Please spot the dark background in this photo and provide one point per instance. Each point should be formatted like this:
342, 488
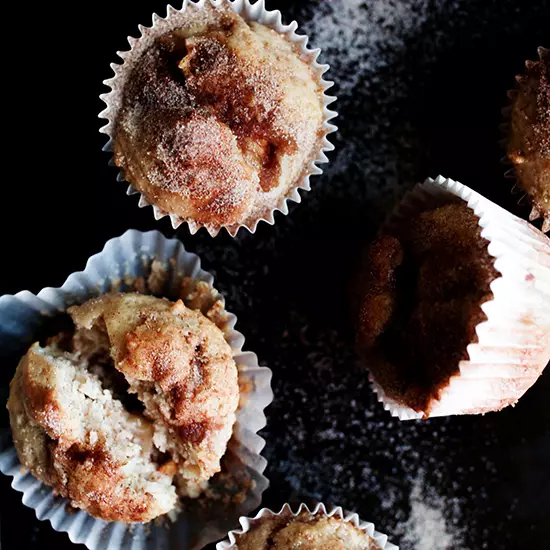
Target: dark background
433, 108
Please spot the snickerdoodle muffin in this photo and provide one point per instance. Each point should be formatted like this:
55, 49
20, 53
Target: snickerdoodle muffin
422, 287
130, 410
529, 135
305, 532
217, 118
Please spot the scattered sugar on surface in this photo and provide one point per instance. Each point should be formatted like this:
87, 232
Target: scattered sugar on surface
365, 44
427, 528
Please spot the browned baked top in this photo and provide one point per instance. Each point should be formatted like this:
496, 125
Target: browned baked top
180, 367
211, 121
138, 401
422, 287
305, 532
529, 139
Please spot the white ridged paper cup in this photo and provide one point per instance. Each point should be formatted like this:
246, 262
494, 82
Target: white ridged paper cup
122, 261
250, 12
513, 345
510, 173
231, 542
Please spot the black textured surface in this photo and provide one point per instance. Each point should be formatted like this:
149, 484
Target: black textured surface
432, 106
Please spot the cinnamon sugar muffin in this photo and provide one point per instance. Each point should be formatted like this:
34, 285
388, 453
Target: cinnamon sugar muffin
422, 291
529, 138
130, 410
218, 118
305, 532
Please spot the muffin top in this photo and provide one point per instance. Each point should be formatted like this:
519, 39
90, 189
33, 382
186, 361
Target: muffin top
529, 140
422, 287
218, 119
140, 397
305, 532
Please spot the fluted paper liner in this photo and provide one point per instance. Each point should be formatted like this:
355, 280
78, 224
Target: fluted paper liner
124, 259
250, 12
514, 342
319, 510
510, 170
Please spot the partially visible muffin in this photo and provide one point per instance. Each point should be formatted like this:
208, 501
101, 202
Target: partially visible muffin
140, 397
529, 138
218, 118
305, 532
422, 289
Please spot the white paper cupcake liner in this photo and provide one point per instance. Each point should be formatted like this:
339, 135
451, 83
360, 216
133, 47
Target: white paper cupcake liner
250, 12
513, 345
122, 260
510, 172
320, 509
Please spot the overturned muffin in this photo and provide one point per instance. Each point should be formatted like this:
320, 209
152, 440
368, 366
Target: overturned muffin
218, 118
305, 532
422, 290
529, 137
132, 409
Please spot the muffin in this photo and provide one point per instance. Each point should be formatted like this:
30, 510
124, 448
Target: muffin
424, 287
529, 135
434, 333
305, 530
130, 409
217, 119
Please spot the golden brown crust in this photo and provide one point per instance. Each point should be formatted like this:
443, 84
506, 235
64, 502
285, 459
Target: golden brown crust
423, 286
30, 439
180, 366
41, 399
305, 532
88, 477
218, 121
529, 139
176, 348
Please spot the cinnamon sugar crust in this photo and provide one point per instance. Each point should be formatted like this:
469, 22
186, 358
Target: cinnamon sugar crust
133, 409
180, 366
422, 289
75, 437
218, 120
529, 139
305, 532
